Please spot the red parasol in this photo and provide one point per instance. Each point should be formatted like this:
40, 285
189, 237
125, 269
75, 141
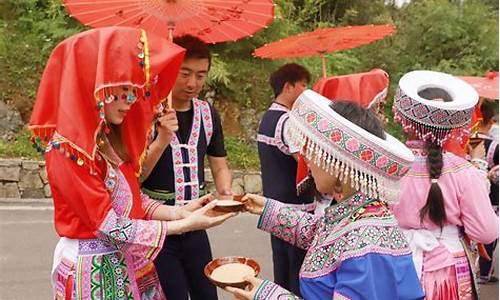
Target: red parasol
213, 21
486, 87
322, 41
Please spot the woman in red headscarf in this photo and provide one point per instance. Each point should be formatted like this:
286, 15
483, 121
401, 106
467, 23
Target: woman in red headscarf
93, 111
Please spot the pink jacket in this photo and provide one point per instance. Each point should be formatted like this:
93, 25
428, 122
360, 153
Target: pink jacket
465, 193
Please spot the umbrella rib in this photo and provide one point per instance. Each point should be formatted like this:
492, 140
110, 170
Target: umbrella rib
228, 37
228, 24
105, 18
248, 12
131, 18
240, 2
100, 10
100, 2
153, 29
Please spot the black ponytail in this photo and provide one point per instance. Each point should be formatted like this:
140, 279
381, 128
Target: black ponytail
434, 207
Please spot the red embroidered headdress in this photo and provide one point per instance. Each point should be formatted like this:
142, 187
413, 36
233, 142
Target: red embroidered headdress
69, 108
365, 89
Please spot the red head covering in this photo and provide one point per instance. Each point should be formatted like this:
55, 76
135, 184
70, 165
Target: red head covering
68, 109
362, 88
365, 89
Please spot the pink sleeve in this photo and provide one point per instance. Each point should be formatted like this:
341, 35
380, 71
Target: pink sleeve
477, 215
149, 205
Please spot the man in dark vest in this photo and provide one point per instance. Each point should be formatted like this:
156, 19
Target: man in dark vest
279, 166
174, 172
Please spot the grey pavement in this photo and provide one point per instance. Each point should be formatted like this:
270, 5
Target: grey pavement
27, 240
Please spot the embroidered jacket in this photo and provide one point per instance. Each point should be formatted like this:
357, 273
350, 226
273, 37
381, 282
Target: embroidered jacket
355, 251
109, 241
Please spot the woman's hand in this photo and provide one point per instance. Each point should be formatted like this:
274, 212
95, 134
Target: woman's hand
254, 203
205, 217
193, 205
246, 294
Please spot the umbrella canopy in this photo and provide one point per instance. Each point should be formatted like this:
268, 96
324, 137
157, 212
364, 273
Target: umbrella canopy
322, 41
486, 87
213, 21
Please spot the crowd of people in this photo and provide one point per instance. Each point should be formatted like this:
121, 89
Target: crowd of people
353, 213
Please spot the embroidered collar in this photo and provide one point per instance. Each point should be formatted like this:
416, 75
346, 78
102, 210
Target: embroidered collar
339, 211
278, 106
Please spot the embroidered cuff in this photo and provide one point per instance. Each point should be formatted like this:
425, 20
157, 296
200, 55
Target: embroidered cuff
268, 217
140, 238
269, 290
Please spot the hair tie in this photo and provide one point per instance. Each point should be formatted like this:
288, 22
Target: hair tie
434, 180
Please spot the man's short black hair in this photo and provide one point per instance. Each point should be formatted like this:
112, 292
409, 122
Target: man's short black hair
290, 73
195, 47
488, 111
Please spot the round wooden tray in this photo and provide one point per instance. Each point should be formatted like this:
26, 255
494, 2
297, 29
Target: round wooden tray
214, 264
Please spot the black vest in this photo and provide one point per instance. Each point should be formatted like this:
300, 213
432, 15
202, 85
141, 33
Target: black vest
278, 169
162, 177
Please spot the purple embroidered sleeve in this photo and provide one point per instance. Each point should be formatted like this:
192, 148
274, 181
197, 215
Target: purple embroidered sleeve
139, 238
269, 290
280, 135
289, 224
149, 205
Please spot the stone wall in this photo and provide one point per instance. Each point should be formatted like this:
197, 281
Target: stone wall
23, 179
28, 179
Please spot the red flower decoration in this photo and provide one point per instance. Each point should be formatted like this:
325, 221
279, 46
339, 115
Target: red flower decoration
392, 169
311, 118
367, 155
336, 135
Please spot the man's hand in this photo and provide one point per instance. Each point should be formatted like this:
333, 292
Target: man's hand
167, 125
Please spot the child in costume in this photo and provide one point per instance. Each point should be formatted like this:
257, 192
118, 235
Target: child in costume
94, 107
356, 250
443, 195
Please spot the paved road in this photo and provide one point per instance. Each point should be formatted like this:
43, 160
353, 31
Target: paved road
27, 239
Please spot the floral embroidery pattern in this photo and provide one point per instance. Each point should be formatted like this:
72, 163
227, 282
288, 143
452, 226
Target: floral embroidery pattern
202, 117
271, 291
109, 276
116, 230
353, 228
428, 115
289, 224
381, 162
